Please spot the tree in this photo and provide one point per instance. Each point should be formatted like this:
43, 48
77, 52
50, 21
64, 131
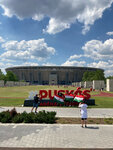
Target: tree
94, 75
99, 75
2, 76
109, 77
10, 76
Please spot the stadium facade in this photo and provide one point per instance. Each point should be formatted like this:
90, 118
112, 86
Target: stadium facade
50, 75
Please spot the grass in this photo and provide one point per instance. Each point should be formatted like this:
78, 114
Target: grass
23, 91
11, 101
103, 102
15, 96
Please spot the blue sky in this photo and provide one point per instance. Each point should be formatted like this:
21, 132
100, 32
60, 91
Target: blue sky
56, 32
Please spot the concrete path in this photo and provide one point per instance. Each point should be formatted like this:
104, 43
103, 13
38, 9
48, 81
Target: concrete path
69, 112
56, 136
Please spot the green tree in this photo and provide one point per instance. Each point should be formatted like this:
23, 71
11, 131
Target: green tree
10, 76
109, 77
94, 75
2, 76
99, 75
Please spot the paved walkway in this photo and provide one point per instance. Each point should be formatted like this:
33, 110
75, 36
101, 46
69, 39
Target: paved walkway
58, 135
68, 112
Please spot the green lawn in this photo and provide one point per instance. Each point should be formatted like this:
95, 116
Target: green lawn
23, 91
103, 102
11, 101
15, 96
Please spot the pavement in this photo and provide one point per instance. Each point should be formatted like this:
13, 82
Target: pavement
58, 136
68, 111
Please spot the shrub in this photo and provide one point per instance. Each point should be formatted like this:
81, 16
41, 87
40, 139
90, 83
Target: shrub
18, 119
29, 118
5, 117
1, 115
40, 117
51, 117
45, 117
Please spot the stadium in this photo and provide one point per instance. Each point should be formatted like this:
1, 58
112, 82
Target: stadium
50, 75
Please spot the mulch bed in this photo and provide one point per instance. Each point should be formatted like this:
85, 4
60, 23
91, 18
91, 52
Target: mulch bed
89, 121
15, 148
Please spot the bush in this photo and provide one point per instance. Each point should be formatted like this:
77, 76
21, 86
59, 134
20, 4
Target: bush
40, 117
29, 118
1, 115
23, 115
18, 119
45, 117
5, 117
51, 117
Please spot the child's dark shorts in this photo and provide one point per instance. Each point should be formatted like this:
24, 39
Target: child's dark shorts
83, 118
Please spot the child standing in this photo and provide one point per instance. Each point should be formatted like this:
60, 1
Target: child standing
83, 111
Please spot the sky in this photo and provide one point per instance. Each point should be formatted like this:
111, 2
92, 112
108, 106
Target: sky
57, 33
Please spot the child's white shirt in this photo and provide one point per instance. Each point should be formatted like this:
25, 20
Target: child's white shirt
83, 110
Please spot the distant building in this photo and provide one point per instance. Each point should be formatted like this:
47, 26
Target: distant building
50, 75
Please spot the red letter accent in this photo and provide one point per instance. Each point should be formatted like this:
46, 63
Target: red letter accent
60, 91
69, 92
50, 94
77, 92
66, 91
78, 88
55, 92
43, 94
86, 95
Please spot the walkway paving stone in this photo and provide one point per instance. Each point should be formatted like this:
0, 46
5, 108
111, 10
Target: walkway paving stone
56, 136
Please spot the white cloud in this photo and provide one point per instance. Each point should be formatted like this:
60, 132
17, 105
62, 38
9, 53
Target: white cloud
62, 13
25, 50
4, 65
107, 66
74, 63
29, 64
100, 52
75, 57
48, 64
56, 26
97, 50
109, 73
1, 39
109, 33
100, 64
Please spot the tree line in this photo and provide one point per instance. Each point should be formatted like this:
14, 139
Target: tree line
9, 76
95, 75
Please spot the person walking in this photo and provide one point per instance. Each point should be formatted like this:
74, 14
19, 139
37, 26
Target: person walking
35, 103
83, 111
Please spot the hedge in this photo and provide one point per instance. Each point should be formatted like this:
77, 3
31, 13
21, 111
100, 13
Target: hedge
41, 117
